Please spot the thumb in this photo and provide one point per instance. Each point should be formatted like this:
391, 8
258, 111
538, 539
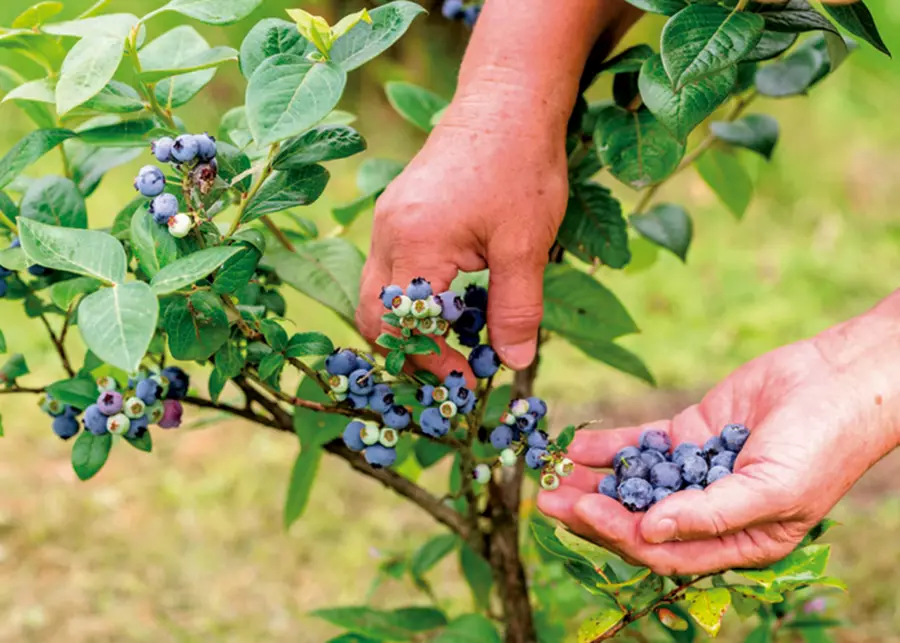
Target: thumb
516, 303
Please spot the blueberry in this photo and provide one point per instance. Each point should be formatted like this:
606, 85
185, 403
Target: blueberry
155, 412
652, 457
4, 288
433, 423
163, 208
660, 494
451, 304
666, 474
471, 15
4, 272
361, 382
716, 473
379, 456
633, 468
387, 295
440, 394
534, 458
65, 426
735, 436
537, 407
550, 481
713, 447
501, 437
172, 411
353, 436
484, 361
397, 417
185, 148
693, 487
365, 361
725, 459
150, 181
162, 149
538, 440
453, 9
357, 402
454, 379
608, 487
469, 406
684, 450
94, 420
636, 494
179, 382
469, 340
38, 271
476, 297
110, 402
656, 440
381, 398
206, 147
138, 428
564, 467
694, 469
626, 455
460, 395
424, 395
470, 322
419, 288
341, 362
526, 424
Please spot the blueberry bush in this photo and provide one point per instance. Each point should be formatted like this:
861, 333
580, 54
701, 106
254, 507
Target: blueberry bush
193, 268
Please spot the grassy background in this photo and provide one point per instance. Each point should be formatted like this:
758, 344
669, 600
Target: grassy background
187, 545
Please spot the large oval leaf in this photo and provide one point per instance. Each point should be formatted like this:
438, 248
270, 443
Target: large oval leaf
174, 49
289, 189
756, 132
322, 143
197, 326
366, 40
89, 454
84, 252
858, 20
186, 271
594, 228
153, 246
28, 150
54, 200
268, 38
118, 323
667, 225
88, 67
214, 12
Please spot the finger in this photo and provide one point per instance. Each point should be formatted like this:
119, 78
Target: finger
598, 447
376, 274
560, 504
516, 302
584, 479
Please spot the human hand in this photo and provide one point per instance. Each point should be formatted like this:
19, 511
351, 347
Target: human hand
821, 412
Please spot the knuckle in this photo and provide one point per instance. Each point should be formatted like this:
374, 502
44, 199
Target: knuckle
757, 552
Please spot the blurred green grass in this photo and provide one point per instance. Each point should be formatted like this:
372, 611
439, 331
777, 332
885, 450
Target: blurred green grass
187, 545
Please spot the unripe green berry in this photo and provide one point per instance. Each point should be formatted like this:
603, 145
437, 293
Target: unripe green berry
118, 424
409, 322
441, 327
519, 407
389, 437
420, 309
369, 434
434, 308
105, 384
339, 397
448, 409
550, 481
427, 326
339, 383
508, 418
134, 407
482, 474
155, 412
440, 394
53, 407
508, 458
401, 305
564, 467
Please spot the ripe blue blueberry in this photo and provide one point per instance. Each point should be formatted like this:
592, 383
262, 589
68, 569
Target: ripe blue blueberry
341, 362
387, 295
424, 395
148, 391
454, 379
537, 407
380, 456
538, 440
185, 148
534, 458
110, 402
361, 382
469, 340
725, 459
453, 9
38, 271
666, 474
656, 440
660, 494
451, 304
469, 406
501, 437
716, 473
735, 436
94, 420
633, 468
138, 428
433, 423
471, 15
484, 361
652, 457
684, 450
476, 297
353, 436
694, 469
65, 426
397, 417
693, 487
609, 487
150, 181
357, 402
470, 322
419, 288
381, 398
713, 447
161, 148
636, 494
460, 395
365, 361
163, 208
526, 424
179, 382
625, 455
206, 147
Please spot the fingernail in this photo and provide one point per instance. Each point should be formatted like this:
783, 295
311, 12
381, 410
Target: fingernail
518, 356
664, 532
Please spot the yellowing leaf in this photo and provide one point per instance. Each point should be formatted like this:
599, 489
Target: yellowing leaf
708, 606
347, 23
314, 28
671, 620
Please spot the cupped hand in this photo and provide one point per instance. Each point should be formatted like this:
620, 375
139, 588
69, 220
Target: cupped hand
488, 189
821, 412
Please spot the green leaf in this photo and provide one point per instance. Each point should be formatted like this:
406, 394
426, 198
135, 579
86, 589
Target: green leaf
421, 345
174, 49
288, 94
213, 12
702, 40
115, 25
271, 37
578, 307
89, 453
308, 344
708, 606
208, 59
858, 20
756, 132
41, 90
793, 16
545, 536
79, 392
13, 368
629, 60
394, 362
724, 173
637, 149
328, 271
469, 628
153, 246
366, 41
56, 201
665, 7
607, 615
390, 342
143, 443
28, 150
757, 593
614, 355
682, 110
382, 625
594, 227
322, 143
229, 360
374, 175
349, 212
238, 270
428, 453
792, 75
416, 104
132, 133
2, 342
564, 439
802, 566
37, 15
84, 252
419, 619
40, 114
315, 429
197, 326
476, 570
187, 270
431, 553
771, 45
819, 530
232, 163
288, 189
90, 164
118, 323
88, 67
116, 98
275, 335
270, 366
667, 225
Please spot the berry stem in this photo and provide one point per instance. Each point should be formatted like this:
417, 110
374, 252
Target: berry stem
57, 341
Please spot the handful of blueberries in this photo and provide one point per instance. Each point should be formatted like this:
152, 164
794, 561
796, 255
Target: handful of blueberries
648, 473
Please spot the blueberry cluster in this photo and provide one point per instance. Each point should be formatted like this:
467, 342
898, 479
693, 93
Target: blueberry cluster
189, 152
518, 433
378, 445
65, 417
443, 403
353, 380
459, 10
151, 398
648, 473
